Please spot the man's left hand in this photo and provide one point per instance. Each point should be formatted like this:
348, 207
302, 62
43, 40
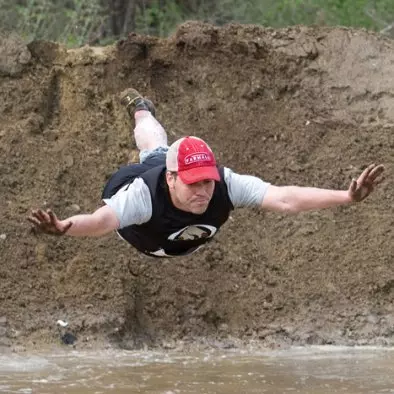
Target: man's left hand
362, 187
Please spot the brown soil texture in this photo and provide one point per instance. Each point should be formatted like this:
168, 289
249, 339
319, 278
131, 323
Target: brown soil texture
305, 106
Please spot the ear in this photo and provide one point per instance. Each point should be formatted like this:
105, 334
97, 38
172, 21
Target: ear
170, 178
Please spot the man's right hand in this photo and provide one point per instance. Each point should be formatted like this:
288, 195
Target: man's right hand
48, 223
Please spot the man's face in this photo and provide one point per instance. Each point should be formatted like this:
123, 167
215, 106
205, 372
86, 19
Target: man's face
194, 197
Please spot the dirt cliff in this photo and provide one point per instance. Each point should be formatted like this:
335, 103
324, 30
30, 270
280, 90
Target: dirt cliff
304, 106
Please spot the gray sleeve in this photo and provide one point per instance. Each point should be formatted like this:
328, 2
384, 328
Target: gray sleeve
244, 190
132, 203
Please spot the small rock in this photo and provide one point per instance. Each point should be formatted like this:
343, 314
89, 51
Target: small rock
68, 161
62, 323
75, 208
34, 124
3, 237
168, 345
373, 319
3, 320
68, 338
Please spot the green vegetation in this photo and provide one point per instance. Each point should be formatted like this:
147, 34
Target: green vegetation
79, 22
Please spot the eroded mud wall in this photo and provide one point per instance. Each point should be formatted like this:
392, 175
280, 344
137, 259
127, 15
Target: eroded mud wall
296, 106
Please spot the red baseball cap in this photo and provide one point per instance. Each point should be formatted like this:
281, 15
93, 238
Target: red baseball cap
193, 160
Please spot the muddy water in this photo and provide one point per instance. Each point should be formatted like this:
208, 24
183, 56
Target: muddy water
314, 370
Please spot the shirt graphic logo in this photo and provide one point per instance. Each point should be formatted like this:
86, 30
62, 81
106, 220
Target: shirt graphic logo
191, 233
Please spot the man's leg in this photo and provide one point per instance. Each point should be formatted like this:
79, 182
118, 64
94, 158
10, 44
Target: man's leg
150, 136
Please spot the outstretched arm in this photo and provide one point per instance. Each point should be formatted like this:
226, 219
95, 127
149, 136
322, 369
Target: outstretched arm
295, 199
102, 221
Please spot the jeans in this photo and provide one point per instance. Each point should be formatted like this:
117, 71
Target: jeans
157, 153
